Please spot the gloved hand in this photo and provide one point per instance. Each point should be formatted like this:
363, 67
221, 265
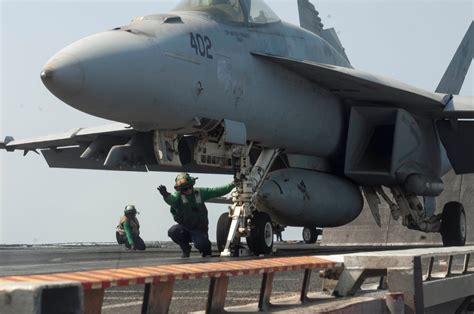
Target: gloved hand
178, 219
163, 191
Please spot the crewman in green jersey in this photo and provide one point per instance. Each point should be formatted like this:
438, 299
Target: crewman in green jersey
189, 211
128, 230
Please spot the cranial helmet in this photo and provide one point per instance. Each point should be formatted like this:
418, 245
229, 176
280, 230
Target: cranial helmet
184, 181
130, 209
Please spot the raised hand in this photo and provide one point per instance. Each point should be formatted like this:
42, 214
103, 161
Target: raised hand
163, 191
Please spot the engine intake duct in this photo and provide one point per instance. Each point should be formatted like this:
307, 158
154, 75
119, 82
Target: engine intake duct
385, 146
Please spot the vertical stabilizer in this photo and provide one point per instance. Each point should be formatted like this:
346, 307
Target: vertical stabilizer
456, 72
309, 17
310, 20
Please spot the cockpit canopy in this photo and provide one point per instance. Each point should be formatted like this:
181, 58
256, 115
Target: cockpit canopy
240, 11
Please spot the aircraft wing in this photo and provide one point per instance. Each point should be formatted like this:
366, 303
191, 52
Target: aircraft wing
359, 87
109, 147
74, 137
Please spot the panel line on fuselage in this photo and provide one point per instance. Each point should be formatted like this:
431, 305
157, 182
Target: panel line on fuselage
181, 57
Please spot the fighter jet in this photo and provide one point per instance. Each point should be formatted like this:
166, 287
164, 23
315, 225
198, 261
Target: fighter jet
226, 87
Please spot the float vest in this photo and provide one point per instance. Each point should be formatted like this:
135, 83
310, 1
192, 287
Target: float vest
133, 223
192, 213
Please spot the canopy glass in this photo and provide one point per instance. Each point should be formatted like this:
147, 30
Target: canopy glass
251, 11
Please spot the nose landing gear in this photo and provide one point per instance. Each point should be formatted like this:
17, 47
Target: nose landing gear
260, 240
246, 220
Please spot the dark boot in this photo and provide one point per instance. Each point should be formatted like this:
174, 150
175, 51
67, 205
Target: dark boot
186, 251
206, 254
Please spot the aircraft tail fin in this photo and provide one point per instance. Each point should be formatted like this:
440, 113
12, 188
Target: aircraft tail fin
309, 17
456, 72
310, 20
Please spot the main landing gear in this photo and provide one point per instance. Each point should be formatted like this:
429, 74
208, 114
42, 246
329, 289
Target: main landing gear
244, 219
310, 234
451, 223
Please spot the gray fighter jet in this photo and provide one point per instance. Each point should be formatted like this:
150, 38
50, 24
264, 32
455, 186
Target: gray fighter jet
225, 86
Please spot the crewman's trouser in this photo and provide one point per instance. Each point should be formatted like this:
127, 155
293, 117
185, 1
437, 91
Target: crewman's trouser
138, 242
183, 236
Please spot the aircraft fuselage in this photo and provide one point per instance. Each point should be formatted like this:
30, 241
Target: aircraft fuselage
164, 71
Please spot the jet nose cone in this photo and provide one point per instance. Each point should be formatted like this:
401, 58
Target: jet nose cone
46, 75
63, 75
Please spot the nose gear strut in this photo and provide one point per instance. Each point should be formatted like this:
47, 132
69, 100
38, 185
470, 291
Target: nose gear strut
248, 181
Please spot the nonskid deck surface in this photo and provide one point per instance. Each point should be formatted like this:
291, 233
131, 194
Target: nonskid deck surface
190, 295
25, 260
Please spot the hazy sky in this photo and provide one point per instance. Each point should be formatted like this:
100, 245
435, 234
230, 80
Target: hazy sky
412, 41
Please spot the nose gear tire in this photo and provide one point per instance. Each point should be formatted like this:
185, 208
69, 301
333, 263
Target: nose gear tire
260, 240
453, 224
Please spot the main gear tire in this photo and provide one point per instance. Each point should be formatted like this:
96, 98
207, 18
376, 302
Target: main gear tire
453, 224
310, 235
260, 240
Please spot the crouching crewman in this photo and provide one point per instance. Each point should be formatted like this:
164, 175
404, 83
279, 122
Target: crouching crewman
128, 230
190, 212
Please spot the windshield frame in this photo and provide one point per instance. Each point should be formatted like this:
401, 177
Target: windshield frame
248, 10
245, 8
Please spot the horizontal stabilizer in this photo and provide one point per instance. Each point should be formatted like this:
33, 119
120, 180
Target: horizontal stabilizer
459, 107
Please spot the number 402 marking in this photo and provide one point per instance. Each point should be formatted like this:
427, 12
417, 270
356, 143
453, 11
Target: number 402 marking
201, 45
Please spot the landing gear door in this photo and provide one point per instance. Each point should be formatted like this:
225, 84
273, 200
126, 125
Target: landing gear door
166, 149
235, 132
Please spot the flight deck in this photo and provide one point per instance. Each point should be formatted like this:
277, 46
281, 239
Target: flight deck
158, 281
43, 259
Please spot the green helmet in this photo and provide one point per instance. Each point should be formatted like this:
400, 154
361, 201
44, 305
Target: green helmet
130, 209
183, 181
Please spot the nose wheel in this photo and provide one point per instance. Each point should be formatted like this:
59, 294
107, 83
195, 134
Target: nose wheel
260, 240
